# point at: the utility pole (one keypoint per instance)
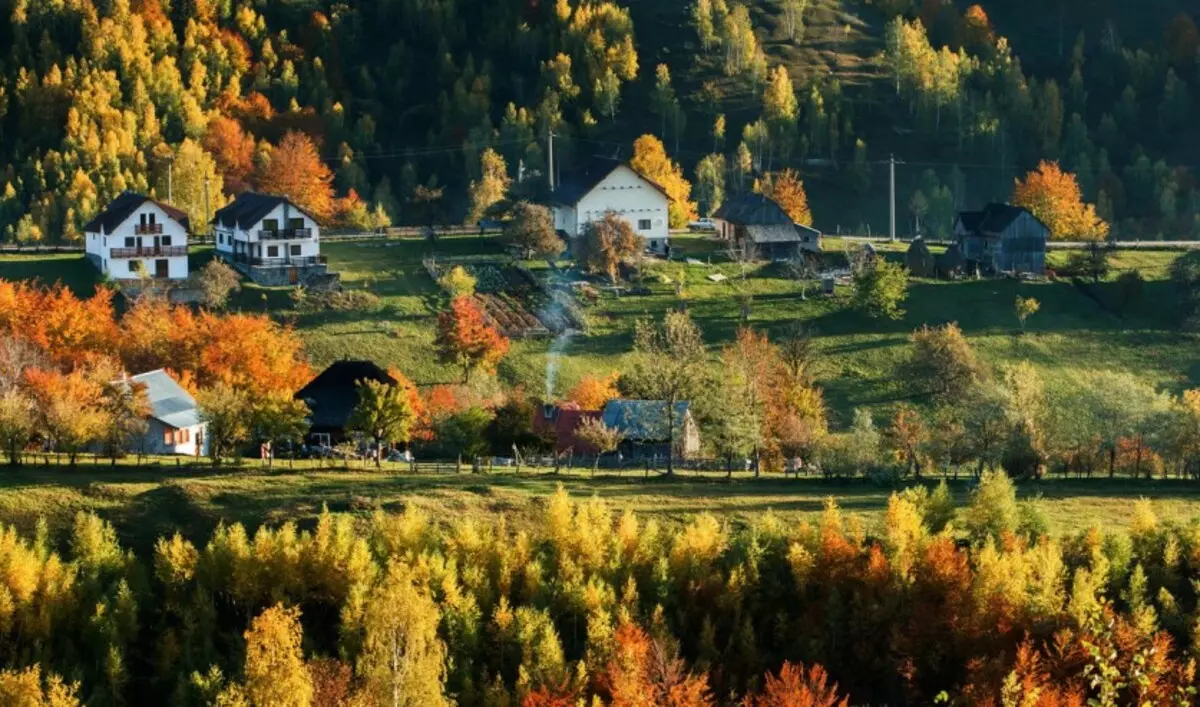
(892, 175)
(206, 211)
(551, 162)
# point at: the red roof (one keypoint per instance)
(564, 421)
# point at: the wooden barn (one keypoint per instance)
(763, 223)
(1002, 238)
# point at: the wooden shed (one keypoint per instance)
(919, 260)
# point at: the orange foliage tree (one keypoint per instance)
(651, 161)
(1054, 197)
(977, 28)
(466, 339)
(233, 149)
(1182, 40)
(593, 392)
(295, 169)
(642, 672)
(796, 686)
(69, 408)
(787, 189)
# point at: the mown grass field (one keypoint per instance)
(146, 504)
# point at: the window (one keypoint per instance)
(295, 250)
(130, 242)
(296, 223)
(143, 217)
(166, 240)
(183, 436)
(643, 224)
(169, 437)
(273, 251)
(270, 224)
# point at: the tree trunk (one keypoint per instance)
(1112, 461)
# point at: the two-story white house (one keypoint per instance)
(599, 186)
(136, 237)
(270, 239)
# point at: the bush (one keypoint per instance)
(881, 289)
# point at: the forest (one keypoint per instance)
(380, 112)
(935, 605)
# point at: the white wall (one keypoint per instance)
(101, 244)
(155, 441)
(625, 193)
(251, 245)
(124, 268)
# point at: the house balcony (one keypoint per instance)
(171, 251)
(285, 234)
(148, 229)
(286, 261)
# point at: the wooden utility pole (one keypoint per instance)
(892, 194)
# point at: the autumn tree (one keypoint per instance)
(710, 182)
(31, 688)
(1053, 197)
(651, 161)
(942, 363)
(786, 189)
(604, 439)
(458, 282)
(643, 671)
(197, 184)
(1182, 40)
(295, 169)
(490, 188)
(465, 339)
(881, 288)
(797, 686)
(275, 671)
(1026, 307)
(126, 411)
(606, 243)
(593, 392)
(531, 230)
(217, 282)
(279, 419)
(402, 661)
(233, 149)
(17, 423)
(227, 414)
(69, 408)
(670, 369)
(383, 413)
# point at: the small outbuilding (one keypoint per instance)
(951, 264)
(646, 426)
(919, 259)
(760, 221)
(1002, 238)
(332, 396)
(174, 425)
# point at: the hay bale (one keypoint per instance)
(919, 259)
(951, 264)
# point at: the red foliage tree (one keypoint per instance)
(642, 672)
(466, 339)
(796, 686)
(233, 149)
(296, 170)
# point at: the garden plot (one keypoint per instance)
(512, 298)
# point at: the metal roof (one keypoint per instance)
(587, 175)
(643, 420)
(122, 207)
(752, 209)
(170, 404)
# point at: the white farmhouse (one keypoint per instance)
(174, 425)
(599, 186)
(271, 240)
(136, 238)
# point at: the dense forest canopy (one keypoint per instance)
(393, 102)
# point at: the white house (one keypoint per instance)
(175, 426)
(270, 239)
(599, 186)
(136, 237)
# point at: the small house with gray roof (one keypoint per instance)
(272, 241)
(174, 425)
(652, 427)
(760, 222)
(1002, 238)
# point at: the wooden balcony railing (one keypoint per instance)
(171, 251)
(148, 229)
(283, 234)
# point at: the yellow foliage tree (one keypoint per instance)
(26, 688)
(1054, 197)
(651, 161)
(276, 675)
(786, 189)
(491, 187)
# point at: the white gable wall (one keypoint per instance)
(630, 196)
(99, 245)
(249, 241)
